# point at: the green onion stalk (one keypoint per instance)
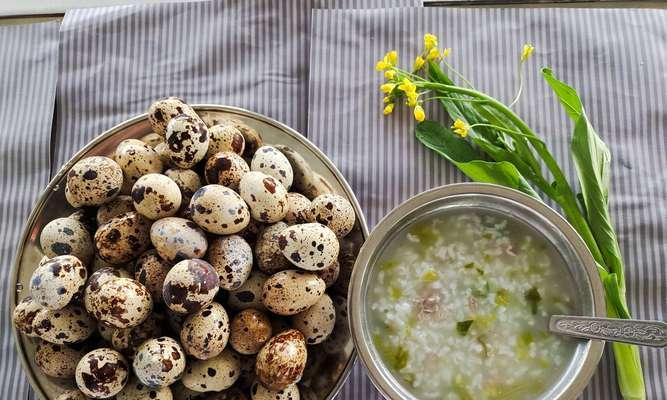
(490, 143)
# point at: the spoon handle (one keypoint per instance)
(643, 333)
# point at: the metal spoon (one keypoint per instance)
(643, 333)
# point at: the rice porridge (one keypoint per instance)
(459, 308)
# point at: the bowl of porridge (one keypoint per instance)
(451, 296)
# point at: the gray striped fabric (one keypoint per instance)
(28, 73)
(616, 58)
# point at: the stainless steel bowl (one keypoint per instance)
(328, 368)
(511, 204)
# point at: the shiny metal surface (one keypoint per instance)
(633, 331)
(328, 369)
(512, 204)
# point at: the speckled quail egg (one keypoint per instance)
(298, 209)
(317, 322)
(260, 392)
(251, 232)
(102, 373)
(250, 329)
(72, 395)
(156, 196)
(187, 140)
(310, 246)
(56, 360)
(187, 180)
(115, 207)
(68, 325)
(282, 360)
(54, 283)
(270, 258)
(252, 138)
(128, 340)
(225, 138)
(24, 315)
(190, 286)
(340, 335)
(93, 181)
(66, 236)
(231, 256)
(266, 197)
(219, 209)
(162, 150)
(163, 110)
(205, 333)
(301, 170)
(226, 168)
(150, 270)
(176, 239)
(290, 292)
(249, 295)
(105, 332)
(317, 187)
(334, 211)
(271, 161)
(136, 159)
(213, 375)
(123, 238)
(159, 362)
(122, 303)
(95, 282)
(152, 139)
(135, 390)
(329, 274)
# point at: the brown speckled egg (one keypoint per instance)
(156, 196)
(260, 392)
(250, 329)
(136, 159)
(317, 187)
(152, 139)
(334, 211)
(150, 270)
(187, 180)
(105, 332)
(205, 333)
(329, 274)
(231, 256)
(159, 362)
(292, 291)
(72, 395)
(299, 209)
(24, 314)
(122, 303)
(66, 236)
(162, 111)
(271, 161)
(317, 322)
(251, 232)
(281, 361)
(213, 375)
(266, 197)
(252, 138)
(95, 282)
(127, 341)
(136, 390)
(102, 373)
(226, 168)
(54, 283)
(68, 325)
(310, 246)
(190, 286)
(162, 150)
(93, 181)
(270, 258)
(225, 138)
(187, 140)
(115, 207)
(219, 209)
(303, 173)
(177, 239)
(249, 295)
(57, 361)
(123, 238)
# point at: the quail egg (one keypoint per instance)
(123, 238)
(159, 362)
(187, 140)
(231, 256)
(102, 373)
(190, 286)
(298, 209)
(136, 390)
(163, 110)
(152, 139)
(302, 172)
(54, 283)
(205, 333)
(250, 329)
(334, 211)
(317, 322)
(24, 315)
(128, 340)
(253, 140)
(136, 159)
(310, 246)
(317, 187)
(329, 274)
(122, 303)
(162, 150)
(150, 270)
(68, 325)
(271, 161)
(57, 361)
(219, 209)
(95, 282)
(266, 196)
(115, 207)
(66, 236)
(260, 392)
(251, 231)
(290, 292)
(225, 138)
(156, 196)
(249, 295)
(72, 395)
(105, 332)
(226, 168)
(213, 375)
(176, 239)
(282, 360)
(93, 181)
(187, 180)
(270, 258)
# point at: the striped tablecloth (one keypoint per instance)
(615, 58)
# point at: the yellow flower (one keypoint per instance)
(392, 57)
(445, 52)
(430, 41)
(388, 109)
(433, 54)
(419, 63)
(390, 74)
(411, 99)
(460, 128)
(407, 86)
(387, 87)
(419, 113)
(381, 66)
(526, 52)
(386, 99)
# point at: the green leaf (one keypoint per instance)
(462, 327)
(567, 96)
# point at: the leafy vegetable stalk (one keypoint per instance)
(490, 143)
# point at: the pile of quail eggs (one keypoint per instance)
(200, 263)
